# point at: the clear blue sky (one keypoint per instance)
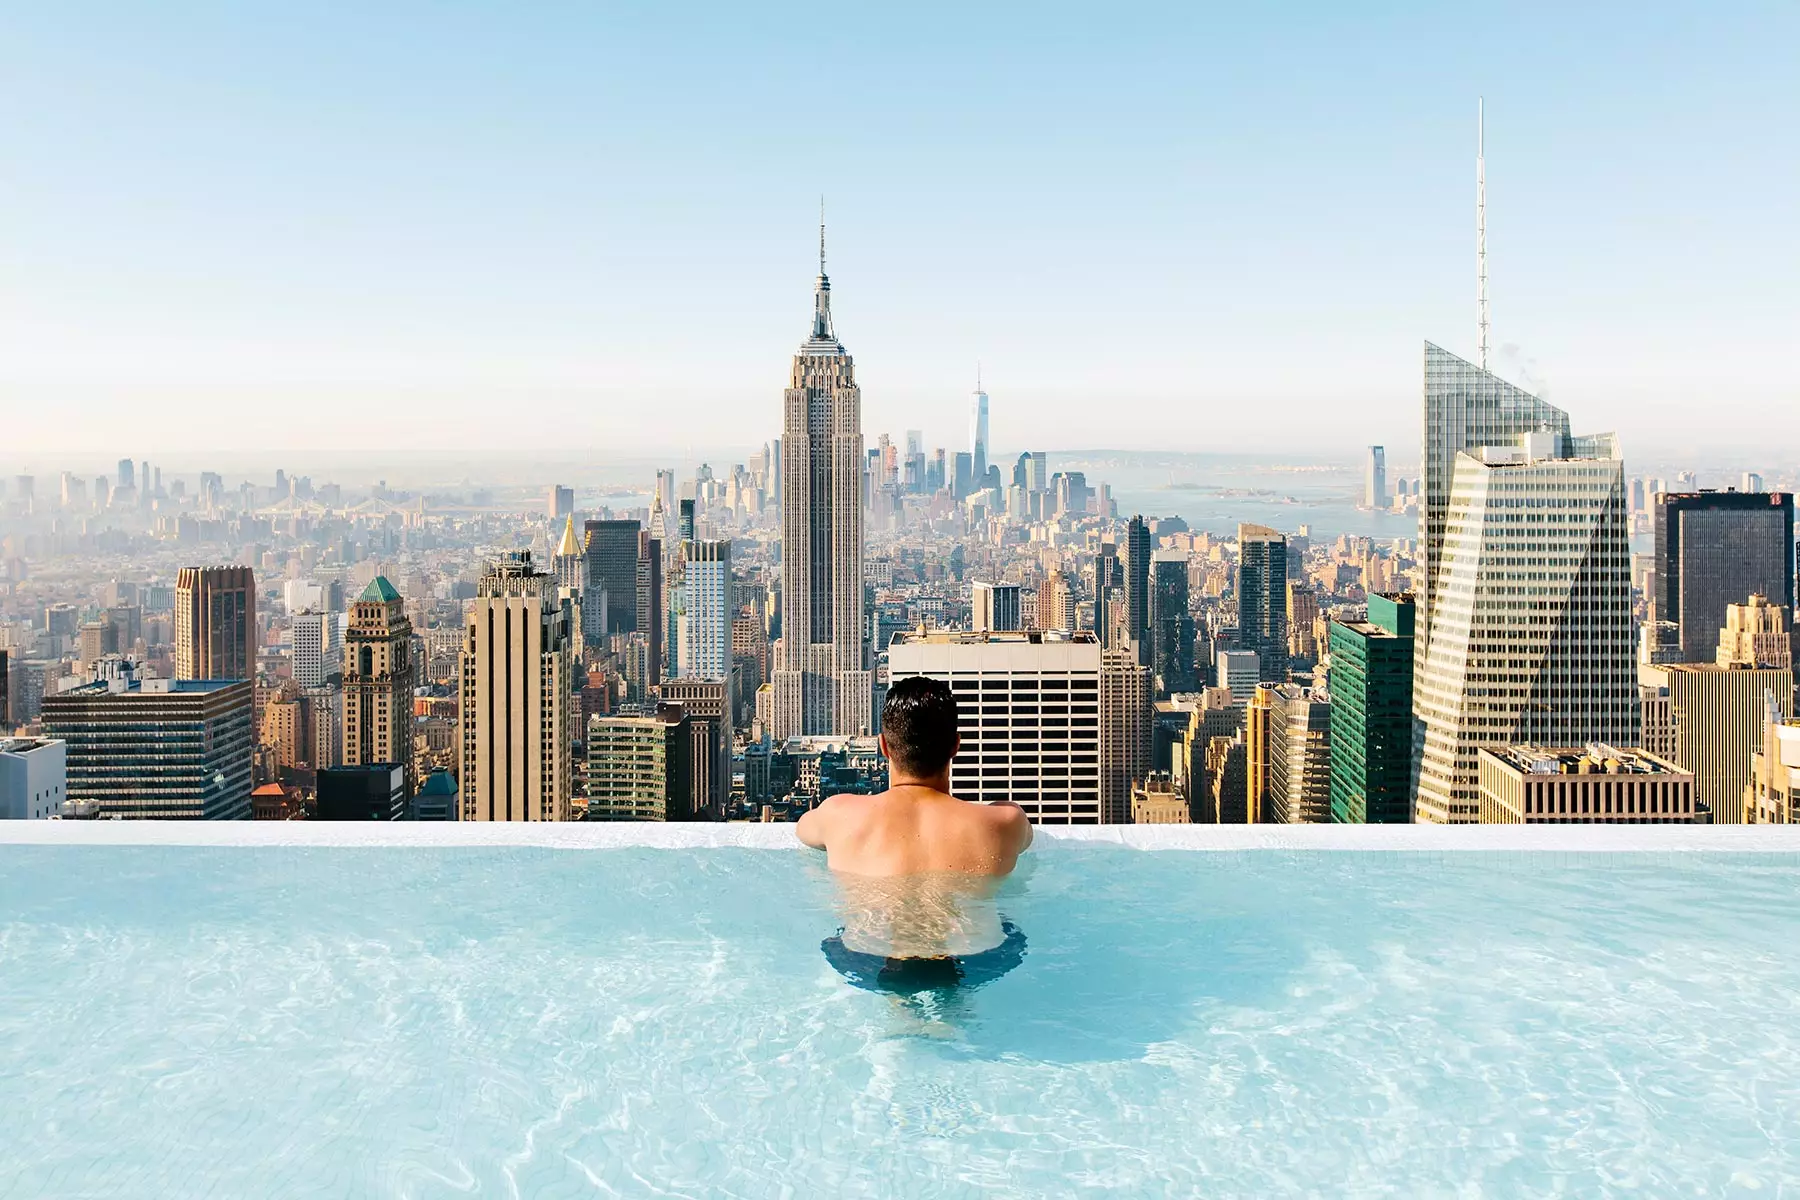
(592, 226)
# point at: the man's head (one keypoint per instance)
(918, 727)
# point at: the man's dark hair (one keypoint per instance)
(919, 723)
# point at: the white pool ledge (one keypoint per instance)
(1576, 838)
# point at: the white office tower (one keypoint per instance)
(300, 594)
(517, 722)
(1047, 722)
(1532, 633)
(822, 687)
(704, 644)
(1239, 671)
(315, 647)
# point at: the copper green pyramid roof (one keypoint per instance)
(379, 589)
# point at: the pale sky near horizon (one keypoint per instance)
(593, 228)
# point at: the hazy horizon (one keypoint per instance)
(411, 226)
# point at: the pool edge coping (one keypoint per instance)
(780, 836)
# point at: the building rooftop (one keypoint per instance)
(380, 591)
(995, 637)
(149, 687)
(1594, 759)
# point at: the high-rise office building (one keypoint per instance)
(315, 636)
(648, 580)
(1372, 714)
(127, 473)
(1137, 587)
(609, 599)
(215, 623)
(1127, 712)
(1262, 598)
(1466, 408)
(379, 677)
(638, 767)
(1259, 724)
(821, 683)
(1532, 635)
(517, 728)
(705, 636)
(1718, 709)
(1375, 489)
(994, 607)
(1106, 581)
(561, 503)
(1712, 549)
(1171, 625)
(1056, 602)
(707, 706)
(159, 749)
(1029, 714)
(1299, 787)
(1239, 671)
(978, 432)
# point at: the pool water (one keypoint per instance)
(286, 1021)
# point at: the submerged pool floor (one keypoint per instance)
(289, 1021)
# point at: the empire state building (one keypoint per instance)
(822, 684)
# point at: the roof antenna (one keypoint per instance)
(1481, 291)
(821, 233)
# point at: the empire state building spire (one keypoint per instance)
(823, 339)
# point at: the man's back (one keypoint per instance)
(915, 829)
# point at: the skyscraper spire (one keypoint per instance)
(1481, 296)
(822, 335)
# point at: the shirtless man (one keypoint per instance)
(917, 826)
(917, 868)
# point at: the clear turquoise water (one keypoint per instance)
(407, 1022)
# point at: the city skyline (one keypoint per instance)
(1645, 283)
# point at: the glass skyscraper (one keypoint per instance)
(1371, 714)
(1262, 598)
(1716, 549)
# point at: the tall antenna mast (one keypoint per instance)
(1481, 296)
(821, 235)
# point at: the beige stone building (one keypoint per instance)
(1156, 801)
(1772, 797)
(378, 680)
(1596, 785)
(517, 708)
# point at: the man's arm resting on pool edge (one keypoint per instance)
(811, 829)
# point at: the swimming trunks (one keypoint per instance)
(910, 976)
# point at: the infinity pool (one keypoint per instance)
(289, 1020)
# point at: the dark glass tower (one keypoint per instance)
(1715, 549)
(1262, 598)
(1137, 587)
(610, 600)
(1171, 628)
